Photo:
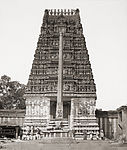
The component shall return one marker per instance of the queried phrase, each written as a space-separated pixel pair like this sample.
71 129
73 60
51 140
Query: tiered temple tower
61 92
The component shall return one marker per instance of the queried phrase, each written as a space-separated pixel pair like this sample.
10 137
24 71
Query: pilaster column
72 114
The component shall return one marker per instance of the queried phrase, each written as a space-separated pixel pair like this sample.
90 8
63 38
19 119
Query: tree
11 94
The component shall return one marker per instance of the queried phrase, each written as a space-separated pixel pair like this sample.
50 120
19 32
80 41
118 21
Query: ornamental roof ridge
65 12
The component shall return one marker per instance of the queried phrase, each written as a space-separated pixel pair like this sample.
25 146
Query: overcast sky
105 30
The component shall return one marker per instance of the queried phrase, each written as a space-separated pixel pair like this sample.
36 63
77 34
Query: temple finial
77 11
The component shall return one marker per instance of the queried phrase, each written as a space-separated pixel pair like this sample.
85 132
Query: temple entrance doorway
66 109
52 110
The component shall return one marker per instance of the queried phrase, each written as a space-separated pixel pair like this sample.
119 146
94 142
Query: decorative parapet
58 12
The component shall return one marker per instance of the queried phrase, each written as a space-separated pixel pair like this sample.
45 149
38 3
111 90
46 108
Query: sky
105 29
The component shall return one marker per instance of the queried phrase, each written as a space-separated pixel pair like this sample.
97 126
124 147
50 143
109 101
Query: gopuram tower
61 93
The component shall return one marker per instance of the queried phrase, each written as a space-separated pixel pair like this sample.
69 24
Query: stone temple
61 93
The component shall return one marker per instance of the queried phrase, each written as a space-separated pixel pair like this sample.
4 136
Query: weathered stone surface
61 73
77 73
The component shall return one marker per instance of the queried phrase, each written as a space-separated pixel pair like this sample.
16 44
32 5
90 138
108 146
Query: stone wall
122 122
37 110
83 117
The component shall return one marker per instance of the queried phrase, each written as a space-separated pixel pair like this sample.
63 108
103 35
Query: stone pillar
72 114
30 108
16 133
59 107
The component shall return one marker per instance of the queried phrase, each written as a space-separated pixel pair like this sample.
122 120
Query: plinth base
57 134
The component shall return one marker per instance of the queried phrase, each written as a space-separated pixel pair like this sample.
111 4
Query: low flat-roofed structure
108 122
10 122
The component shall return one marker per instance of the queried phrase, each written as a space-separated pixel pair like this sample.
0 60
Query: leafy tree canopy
11 94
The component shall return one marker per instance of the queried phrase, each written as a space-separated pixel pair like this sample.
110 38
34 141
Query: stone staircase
57 129
57 125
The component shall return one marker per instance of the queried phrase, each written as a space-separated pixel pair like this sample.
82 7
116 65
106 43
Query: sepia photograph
63 75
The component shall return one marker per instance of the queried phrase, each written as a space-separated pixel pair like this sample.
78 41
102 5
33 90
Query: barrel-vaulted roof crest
65 12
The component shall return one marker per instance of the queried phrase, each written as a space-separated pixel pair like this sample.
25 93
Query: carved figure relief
84 108
37 107
59 113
